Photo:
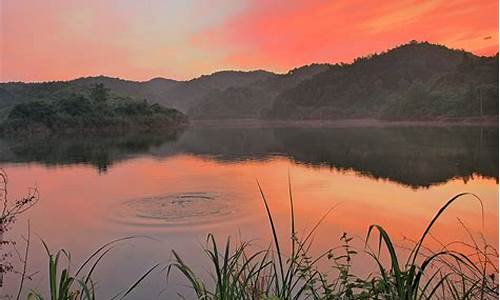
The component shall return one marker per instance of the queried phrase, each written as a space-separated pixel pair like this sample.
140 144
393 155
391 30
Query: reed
238 271
243 271
64 284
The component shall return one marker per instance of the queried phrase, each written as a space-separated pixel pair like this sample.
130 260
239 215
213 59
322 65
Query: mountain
176 94
207 96
188 94
252 100
13 93
412 81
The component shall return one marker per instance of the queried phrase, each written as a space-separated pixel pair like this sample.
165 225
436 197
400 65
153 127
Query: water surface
172 190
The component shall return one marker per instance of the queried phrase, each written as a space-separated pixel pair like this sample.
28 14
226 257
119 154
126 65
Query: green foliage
101 113
273 273
453 274
65 284
252 99
454 84
75 106
232 103
36 111
413 81
99 93
239 272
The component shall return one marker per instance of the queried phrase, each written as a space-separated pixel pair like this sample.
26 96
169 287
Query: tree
99 93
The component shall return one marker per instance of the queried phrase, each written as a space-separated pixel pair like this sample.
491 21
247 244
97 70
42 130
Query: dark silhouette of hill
253 100
93 111
176 94
188 94
412 81
18 92
210 95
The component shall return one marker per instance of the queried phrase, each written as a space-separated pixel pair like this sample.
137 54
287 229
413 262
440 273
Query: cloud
283 34
64 39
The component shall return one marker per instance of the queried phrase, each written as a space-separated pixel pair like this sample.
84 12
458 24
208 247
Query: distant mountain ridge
412 81
253 100
415 80
181 95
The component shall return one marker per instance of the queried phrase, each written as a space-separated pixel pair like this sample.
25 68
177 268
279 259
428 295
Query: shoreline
377 123
117 130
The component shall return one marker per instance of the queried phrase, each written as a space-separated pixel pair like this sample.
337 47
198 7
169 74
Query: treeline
413 81
96 112
253 100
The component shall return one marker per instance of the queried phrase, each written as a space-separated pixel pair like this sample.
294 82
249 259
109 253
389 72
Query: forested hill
413 81
180 95
253 100
92 112
257 89
14 93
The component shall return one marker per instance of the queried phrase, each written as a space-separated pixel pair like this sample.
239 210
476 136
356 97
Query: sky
44 40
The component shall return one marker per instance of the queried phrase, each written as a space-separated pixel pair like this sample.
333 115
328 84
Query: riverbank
80 116
490 121
108 128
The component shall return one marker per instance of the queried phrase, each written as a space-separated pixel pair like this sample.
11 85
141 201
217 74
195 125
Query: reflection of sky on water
78 205
416 157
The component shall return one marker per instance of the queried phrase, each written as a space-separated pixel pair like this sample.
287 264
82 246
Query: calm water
174 189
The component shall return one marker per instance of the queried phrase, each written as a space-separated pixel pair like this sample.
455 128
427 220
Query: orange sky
65 39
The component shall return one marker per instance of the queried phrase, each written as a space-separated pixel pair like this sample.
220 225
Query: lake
171 190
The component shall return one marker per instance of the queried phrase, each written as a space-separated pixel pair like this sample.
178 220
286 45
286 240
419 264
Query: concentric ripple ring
178 208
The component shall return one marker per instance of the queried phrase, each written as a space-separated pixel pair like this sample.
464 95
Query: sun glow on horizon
61 40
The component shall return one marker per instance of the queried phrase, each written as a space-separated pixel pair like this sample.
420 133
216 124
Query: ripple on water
179 209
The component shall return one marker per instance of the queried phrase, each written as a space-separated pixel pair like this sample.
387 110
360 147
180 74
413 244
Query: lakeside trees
411 81
100 112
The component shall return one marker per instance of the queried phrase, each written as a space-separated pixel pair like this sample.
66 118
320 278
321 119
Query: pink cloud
283 34
64 39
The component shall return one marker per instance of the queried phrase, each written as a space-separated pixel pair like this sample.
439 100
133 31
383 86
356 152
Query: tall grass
64 284
245 272
238 271
453 274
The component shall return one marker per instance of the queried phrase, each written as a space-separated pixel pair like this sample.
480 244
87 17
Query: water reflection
177 209
415 157
202 181
99 151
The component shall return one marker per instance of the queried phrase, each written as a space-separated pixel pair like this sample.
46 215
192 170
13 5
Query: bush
78 113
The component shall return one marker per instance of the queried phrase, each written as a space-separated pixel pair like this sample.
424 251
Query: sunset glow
401 210
139 40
